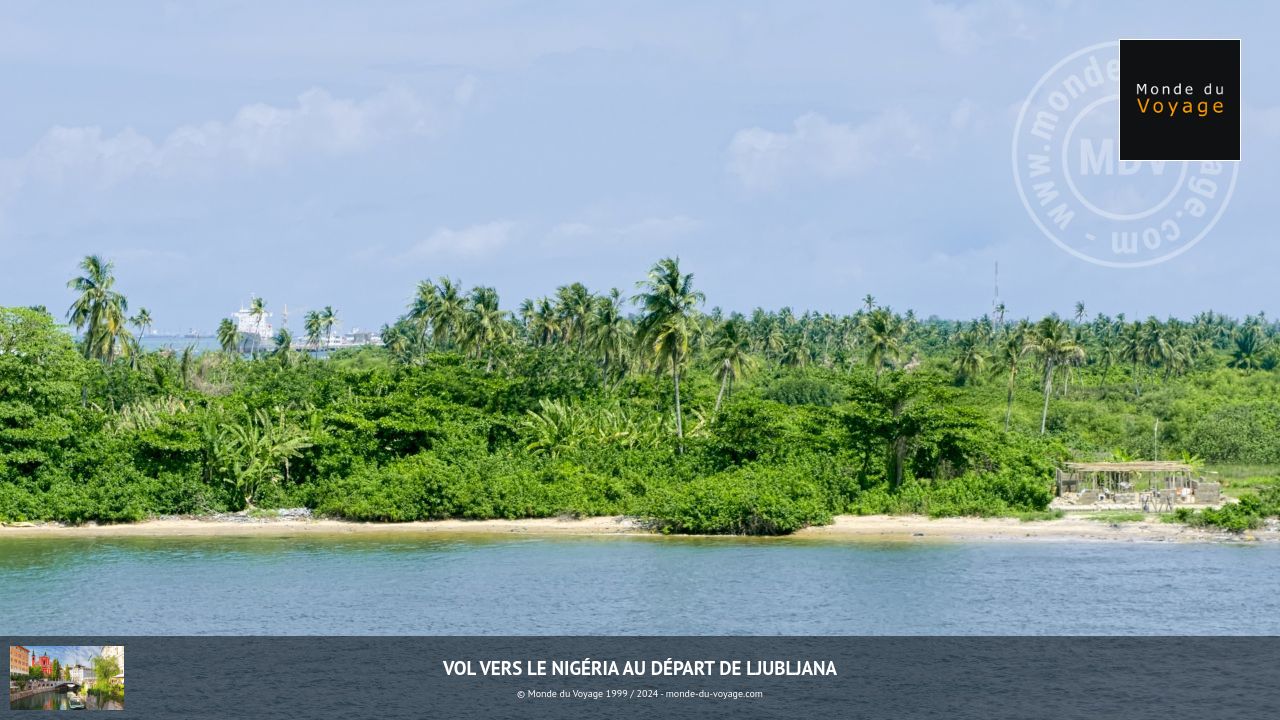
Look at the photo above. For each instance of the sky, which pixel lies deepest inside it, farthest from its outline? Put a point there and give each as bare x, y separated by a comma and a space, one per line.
68, 655
791, 154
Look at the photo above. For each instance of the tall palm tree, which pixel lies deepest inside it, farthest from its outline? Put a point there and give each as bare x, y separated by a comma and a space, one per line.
731, 355
448, 313
422, 309
542, 324
258, 310
883, 334
574, 305
1134, 349
228, 336
970, 358
668, 304
99, 310
313, 325
608, 331
142, 321
1011, 350
485, 324
1052, 341
328, 319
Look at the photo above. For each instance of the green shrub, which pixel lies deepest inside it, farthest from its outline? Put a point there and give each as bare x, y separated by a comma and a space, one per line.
1248, 514
978, 494
742, 501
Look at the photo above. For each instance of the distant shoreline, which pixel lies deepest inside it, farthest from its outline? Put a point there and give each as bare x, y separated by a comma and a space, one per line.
870, 528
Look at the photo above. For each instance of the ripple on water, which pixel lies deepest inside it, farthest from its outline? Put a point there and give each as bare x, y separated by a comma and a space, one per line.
629, 585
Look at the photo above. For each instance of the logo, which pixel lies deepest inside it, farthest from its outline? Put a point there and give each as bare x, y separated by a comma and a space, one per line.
1180, 100
1082, 196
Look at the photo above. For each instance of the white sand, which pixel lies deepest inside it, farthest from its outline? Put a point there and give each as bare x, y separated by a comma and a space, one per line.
910, 528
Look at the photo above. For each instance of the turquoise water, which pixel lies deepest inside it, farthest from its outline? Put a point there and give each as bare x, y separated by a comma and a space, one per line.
629, 585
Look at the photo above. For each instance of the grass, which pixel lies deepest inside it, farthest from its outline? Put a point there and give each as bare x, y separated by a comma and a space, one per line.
1240, 480
1038, 515
1117, 516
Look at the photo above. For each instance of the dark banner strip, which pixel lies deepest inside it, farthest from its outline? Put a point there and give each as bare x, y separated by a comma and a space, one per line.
687, 677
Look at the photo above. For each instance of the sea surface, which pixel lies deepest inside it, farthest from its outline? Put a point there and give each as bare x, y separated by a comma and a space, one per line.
384, 585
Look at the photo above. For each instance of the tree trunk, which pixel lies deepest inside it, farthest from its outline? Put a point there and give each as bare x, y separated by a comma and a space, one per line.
1048, 390
675, 374
1008, 412
724, 382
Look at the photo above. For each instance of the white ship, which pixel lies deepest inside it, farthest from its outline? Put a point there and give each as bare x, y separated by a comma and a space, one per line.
257, 332
254, 328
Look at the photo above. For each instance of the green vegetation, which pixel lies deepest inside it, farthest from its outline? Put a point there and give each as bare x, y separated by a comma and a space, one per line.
104, 669
1117, 516
1249, 513
589, 403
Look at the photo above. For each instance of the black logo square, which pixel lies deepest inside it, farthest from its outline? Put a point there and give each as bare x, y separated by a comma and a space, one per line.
1179, 99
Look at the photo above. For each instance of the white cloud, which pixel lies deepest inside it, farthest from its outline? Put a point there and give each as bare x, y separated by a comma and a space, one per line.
817, 147
962, 28
476, 241
954, 27
257, 135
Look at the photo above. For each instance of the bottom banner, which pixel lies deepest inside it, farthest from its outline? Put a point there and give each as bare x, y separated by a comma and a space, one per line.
647, 677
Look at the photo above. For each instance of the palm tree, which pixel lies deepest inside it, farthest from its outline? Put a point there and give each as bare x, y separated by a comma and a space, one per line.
257, 310
1251, 348
541, 322
228, 336
668, 304
484, 324
448, 313
608, 330
883, 333
422, 309
1052, 341
328, 319
730, 353
283, 350
100, 311
970, 360
1011, 350
313, 325
1134, 349
142, 321
574, 304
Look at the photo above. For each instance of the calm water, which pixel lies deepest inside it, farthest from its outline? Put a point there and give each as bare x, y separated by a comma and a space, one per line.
54, 700
385, 585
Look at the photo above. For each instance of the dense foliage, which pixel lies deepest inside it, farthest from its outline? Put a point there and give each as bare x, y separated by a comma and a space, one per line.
698, 421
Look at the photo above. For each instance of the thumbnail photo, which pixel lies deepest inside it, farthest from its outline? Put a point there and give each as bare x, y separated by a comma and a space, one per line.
66, 677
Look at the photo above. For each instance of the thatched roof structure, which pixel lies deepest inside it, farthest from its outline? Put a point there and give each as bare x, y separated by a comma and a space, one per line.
1140, 466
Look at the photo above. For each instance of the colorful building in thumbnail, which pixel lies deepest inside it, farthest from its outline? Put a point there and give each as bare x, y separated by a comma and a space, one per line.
19, 660
46, 665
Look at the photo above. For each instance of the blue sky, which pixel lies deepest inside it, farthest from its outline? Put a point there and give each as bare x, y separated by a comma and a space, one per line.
68, 655
800, 154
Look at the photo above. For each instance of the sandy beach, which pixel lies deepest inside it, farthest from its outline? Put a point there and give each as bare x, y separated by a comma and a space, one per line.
872, 528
